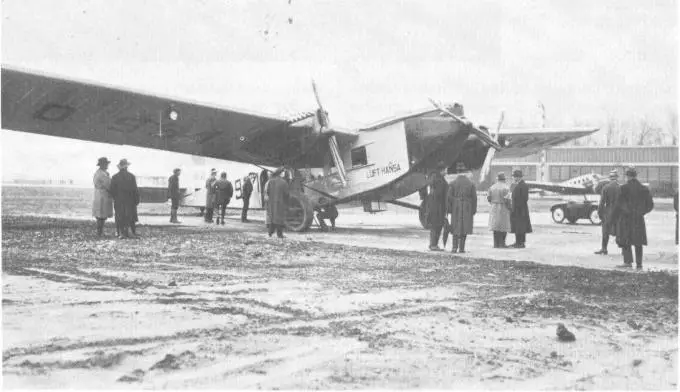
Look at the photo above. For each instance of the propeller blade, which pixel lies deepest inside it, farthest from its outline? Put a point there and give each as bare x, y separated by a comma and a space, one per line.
478, 132
486, 167
322, 115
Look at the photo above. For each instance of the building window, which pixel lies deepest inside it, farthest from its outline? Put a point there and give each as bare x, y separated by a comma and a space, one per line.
359, 156
653, 174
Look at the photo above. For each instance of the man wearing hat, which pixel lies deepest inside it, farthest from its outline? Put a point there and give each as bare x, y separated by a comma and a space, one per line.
462, 205
125, 200
633, 203
174, 195
102, 206
520, 221
210, 195
276, 196
499, 215
436, 207
608, 197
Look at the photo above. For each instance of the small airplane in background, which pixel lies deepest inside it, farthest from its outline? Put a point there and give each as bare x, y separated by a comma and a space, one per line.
380, 163
587, 184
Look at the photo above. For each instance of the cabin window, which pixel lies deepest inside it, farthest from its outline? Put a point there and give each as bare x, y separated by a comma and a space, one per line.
359, 156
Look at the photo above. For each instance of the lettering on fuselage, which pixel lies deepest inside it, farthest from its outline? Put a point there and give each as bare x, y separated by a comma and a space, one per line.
390, 168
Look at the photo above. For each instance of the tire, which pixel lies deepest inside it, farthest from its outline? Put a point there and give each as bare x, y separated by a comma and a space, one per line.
300, 213
558, 215
595, 217
422, 215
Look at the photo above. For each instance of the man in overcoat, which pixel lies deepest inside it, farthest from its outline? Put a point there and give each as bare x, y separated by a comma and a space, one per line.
223, 193
102, 205
125, 200
634, 202
246, 191
608, 197
520, 221
462, 205
173, 193
210, 195
436, 207
277, 193
499, 214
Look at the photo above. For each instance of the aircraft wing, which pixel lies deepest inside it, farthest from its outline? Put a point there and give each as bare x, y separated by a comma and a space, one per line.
557, 188
523, 142
49, 105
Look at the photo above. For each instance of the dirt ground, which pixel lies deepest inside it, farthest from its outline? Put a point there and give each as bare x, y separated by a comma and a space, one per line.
195, 306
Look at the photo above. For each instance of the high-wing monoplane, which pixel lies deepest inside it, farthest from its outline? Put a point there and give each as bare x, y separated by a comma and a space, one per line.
382, 162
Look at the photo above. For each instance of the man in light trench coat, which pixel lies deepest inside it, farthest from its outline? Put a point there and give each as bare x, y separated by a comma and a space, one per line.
462, 205
102, 205
608, 197
499, 214
276, 196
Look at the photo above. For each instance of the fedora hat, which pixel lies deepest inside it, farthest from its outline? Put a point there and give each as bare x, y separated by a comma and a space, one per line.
517, 173
501, 176
103, 161
123, 163
631, 172
614, 174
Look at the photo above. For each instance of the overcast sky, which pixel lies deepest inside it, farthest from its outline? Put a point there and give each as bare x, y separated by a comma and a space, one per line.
585, 60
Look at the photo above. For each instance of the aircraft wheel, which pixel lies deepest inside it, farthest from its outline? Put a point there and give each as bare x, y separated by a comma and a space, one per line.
422, 215
558, 215
595, 217
300, 213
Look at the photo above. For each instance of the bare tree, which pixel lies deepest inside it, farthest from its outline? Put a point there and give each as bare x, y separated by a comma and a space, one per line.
673, 125
612, 131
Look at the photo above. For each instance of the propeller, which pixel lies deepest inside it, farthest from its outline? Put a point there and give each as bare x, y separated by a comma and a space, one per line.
473, 129
324, 128
486, 167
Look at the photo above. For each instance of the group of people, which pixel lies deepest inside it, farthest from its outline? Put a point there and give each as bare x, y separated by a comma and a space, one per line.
622, 210
509, 210
218, 195
117, 193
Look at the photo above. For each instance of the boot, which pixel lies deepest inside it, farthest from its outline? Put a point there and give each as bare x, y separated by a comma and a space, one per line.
173, 216
454, 244
461, 249
100, 227
496, 239
501, 239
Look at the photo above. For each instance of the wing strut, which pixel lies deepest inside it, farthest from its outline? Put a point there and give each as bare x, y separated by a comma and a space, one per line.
337, 159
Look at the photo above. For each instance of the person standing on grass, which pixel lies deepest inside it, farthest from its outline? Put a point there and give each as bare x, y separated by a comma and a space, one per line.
499, 215
223, 193
634, 202
102, 206
276, 193
210, 195
608, 197
520, 221
462, 204
436, 208
125, 200
246, 191
173, 193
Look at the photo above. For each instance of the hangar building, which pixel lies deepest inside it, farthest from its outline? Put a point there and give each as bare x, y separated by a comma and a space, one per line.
656, 165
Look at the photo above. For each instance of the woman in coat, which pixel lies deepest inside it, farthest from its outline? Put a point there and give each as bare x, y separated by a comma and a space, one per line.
499, 215
462, 204
102, 206
277, 193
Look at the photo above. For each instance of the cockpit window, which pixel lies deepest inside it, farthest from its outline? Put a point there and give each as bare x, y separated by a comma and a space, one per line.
359, 156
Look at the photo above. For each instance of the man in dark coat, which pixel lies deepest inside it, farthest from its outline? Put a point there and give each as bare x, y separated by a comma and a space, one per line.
277, 193
174, 195
634, 202
223, 193
675, 206
210, 195
329, 212
436, 208
125, 200
520, 222
246, 191
462, 205
608, 197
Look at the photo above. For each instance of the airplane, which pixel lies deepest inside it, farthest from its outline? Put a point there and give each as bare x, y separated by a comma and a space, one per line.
586, 184
379, 163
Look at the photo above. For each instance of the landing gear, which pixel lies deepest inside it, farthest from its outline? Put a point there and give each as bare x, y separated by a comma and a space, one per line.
422, 215
300, 213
